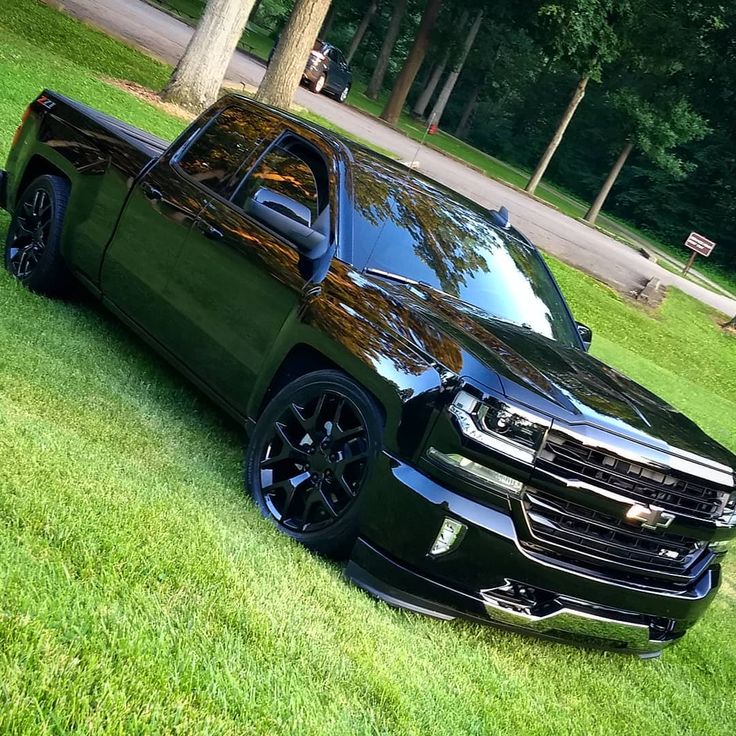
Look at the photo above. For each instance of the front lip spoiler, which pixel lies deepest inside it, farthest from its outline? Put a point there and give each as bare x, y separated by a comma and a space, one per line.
387, 579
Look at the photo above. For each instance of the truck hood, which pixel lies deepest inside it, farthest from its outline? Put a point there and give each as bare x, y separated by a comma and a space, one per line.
564, 382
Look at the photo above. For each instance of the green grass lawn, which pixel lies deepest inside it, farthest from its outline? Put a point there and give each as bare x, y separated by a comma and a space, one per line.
141, 592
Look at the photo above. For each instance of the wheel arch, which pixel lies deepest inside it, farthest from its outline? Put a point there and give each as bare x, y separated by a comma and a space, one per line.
299, 361
39, 165
402, 399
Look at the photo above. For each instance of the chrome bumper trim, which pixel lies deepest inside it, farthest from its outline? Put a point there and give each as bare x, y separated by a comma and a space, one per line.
635, 637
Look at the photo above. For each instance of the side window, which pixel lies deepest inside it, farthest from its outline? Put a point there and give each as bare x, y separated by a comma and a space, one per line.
339, 58
221, 148
286, 173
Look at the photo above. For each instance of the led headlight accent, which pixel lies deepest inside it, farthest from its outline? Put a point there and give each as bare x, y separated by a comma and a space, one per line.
512, 430
477, 472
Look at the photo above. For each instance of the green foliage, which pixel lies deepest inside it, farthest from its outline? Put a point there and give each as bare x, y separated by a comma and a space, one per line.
584, 33
657, 127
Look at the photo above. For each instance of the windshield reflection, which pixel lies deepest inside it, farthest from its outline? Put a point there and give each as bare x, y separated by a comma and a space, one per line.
414, 229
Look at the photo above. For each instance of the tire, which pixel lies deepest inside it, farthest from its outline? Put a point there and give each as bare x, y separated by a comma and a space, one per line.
311, 456
343, 96
319, 84
33, 246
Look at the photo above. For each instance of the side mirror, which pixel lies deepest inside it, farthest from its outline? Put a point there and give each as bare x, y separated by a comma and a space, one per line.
289, 218
586, 335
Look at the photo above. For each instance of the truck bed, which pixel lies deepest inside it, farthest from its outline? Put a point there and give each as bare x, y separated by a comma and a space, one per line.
101, 157
143, 141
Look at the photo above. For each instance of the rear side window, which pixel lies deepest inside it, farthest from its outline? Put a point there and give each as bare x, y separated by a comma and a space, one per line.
286, 173
220, 149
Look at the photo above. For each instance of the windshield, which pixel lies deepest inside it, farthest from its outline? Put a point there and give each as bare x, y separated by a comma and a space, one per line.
416, 231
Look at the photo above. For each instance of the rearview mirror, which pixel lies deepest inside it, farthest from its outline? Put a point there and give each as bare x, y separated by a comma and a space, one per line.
289, 218
586, 335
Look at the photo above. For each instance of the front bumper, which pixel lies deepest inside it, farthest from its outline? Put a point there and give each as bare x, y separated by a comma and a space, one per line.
489, 577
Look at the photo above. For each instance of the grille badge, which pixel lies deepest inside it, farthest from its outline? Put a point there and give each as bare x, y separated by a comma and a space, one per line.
651, 517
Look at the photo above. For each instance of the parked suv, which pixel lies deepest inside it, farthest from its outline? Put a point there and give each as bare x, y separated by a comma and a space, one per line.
417, 395
326, 71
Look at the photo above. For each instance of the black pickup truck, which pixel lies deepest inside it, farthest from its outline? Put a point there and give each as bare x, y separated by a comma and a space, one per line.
415, 391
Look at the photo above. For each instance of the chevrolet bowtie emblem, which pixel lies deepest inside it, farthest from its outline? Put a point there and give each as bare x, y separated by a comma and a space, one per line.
651, 517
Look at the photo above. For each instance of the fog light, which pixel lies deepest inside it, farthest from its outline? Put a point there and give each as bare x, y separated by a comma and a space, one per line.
477, 472
450, 533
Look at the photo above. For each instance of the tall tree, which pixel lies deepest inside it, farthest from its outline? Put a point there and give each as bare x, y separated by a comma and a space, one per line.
365, 21
655, 123
575, 99
196, 80
326, 28
290, 56
469, 110
438, 70
449, 85
585, 35
402, 85
379, 71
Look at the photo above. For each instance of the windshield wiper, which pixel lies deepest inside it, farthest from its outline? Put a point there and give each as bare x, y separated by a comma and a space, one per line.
424, 285
397, 277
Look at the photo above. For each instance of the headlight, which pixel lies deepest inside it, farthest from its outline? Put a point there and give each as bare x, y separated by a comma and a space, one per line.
500, 425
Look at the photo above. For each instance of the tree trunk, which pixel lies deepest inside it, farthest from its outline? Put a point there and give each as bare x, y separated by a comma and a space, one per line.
567, 116
362, 28
420, 105
402, 85
195, 82
379, 72
290, 57
595, 208
463, 127
439, 106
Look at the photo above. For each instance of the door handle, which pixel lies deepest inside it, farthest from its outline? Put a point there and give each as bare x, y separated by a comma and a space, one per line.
209, 231
151, 192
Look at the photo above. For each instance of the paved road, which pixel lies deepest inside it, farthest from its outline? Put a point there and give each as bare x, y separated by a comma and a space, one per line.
566, 238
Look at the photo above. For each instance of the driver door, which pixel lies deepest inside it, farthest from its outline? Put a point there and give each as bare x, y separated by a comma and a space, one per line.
237, 281
159, 215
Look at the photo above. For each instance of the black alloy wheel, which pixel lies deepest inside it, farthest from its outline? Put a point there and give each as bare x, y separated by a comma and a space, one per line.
32, 249
310, 458
31, 233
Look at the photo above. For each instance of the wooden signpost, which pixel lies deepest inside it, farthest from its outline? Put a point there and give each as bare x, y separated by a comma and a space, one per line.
699, 246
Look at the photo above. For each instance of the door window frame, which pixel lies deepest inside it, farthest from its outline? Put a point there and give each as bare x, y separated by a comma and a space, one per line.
181, 151
332, 183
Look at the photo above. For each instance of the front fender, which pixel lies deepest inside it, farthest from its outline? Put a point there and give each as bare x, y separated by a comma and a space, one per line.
348, 323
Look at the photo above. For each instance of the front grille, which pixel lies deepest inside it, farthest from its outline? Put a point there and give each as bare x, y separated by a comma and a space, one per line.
570, 530
572, 459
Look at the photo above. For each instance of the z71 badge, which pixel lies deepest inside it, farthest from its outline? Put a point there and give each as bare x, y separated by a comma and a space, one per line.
46, 102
